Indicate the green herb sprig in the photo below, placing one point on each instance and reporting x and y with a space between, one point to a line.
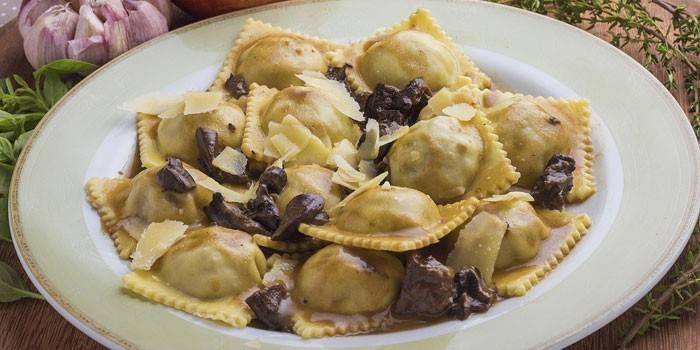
629 24
21 108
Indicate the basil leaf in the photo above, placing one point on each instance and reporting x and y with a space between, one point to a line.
4 220
7 151
65 67
12 287
21 141
54 88
5 178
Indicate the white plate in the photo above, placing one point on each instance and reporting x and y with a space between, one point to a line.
646 166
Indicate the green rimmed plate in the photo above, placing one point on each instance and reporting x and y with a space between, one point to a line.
647 167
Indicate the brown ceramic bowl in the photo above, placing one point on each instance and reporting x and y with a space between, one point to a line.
209 8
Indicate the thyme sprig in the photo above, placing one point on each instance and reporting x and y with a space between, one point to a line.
672 51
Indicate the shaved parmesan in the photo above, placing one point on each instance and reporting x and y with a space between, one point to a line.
389 138
134 226
280 272
201 179
201 101
369 149
284 146
313 150
231 161
269 150
152 104
336 92
515 195
173 112
346 175
368 185
368 168
155 241
461 111
345 150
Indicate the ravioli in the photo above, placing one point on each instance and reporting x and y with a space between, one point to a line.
272 56
416 47
118 201
515 245
174 137
344 289
205 274
533 129
391 218
451 159
312 107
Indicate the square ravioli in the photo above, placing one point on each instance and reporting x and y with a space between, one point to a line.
534 129
272 56
415 47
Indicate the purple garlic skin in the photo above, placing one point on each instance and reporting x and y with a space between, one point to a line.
47 40
99 31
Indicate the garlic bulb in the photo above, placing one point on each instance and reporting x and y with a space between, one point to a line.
47 40
88 23
31 11
99 31
145 22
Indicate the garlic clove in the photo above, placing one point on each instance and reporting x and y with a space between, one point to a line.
92 49
31 11
106 9
145 22
116 32
47 40
165 7
88 23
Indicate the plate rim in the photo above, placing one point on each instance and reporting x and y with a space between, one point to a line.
103 336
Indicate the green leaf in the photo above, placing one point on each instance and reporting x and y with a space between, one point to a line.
7 151
21 141
5 178
4 220
12 287
53 88
65 67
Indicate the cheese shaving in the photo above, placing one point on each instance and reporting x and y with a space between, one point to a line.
346 175
231 161
368 168
345 150
461 111
134 226
515 195
201 179
280 272
201 101
369 149
368 185
312 149
152 104
284 146
389 138
173 112
336 92
155 241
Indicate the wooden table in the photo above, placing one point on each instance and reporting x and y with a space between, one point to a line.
32 324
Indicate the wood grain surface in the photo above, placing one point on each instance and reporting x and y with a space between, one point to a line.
33 324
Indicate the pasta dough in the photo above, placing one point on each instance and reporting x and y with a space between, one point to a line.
416 47
211 263
450 159
160 138
273 56
364 281
391 218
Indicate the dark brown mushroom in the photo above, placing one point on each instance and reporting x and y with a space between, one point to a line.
173 177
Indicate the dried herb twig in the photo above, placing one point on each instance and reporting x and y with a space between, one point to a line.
665 47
